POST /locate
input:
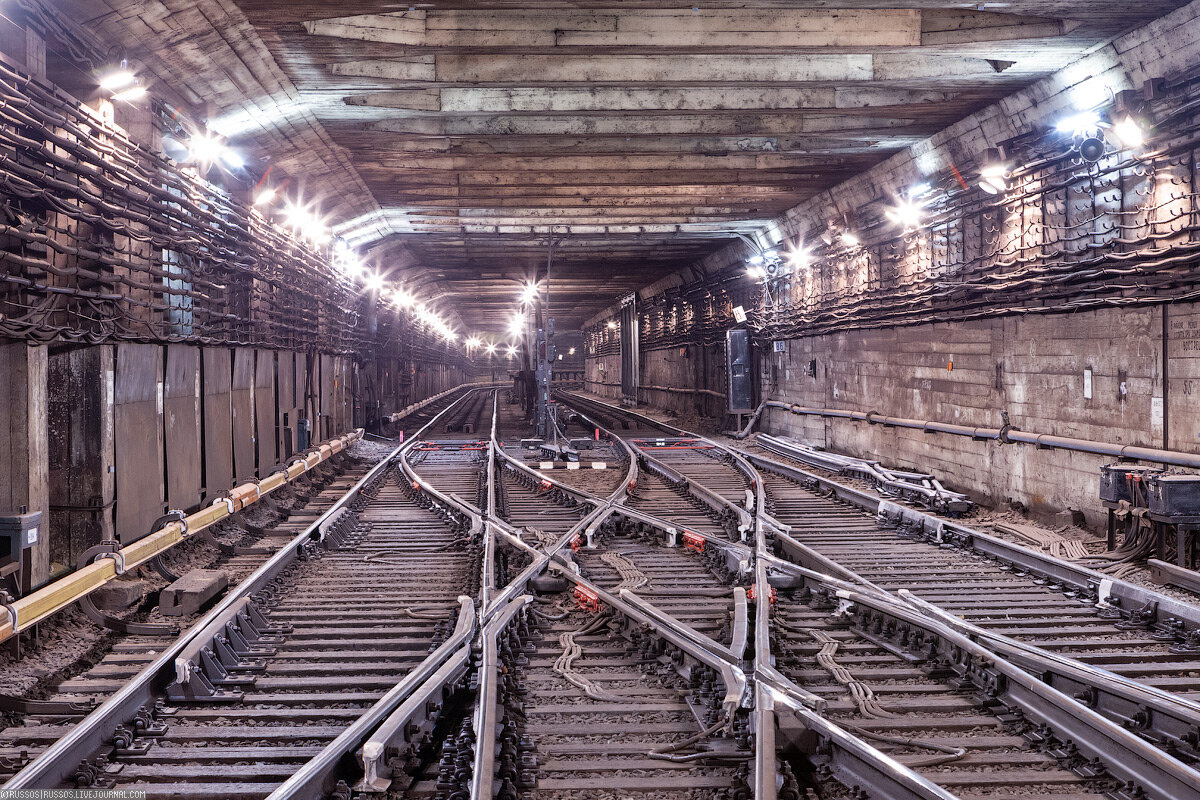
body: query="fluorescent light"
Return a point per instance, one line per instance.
(906, 214)
(206, 148)
(117, 80)
(993, 175)
(756, 272)
(1130, 132)
(233, 159)
(756, 259)
(265, 197)
(1080, 124)
(799, 257)
(131, 94)
(849, 239)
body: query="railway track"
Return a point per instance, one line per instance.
(948, 733)
(259, 685)
(1023, 613)
(691, 622)
(994, 596)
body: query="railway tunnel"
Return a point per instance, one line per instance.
(550, 400)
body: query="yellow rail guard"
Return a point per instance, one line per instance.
(56, 596)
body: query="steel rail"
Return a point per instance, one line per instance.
(316, 778)
(1106, 588)
(1129, 703)
(412, 408)
(1125, 756)
(495, 612)
(487, 713)
(700, 647)
(889, 481)
(852, 758)
(1134, 705)
(415, 717)
(1171, 717)
(713, 499)
(488, 578)
(855, 762)
(631, 472)
(56, 596)
(56, 763)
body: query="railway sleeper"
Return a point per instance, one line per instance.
(536, 760)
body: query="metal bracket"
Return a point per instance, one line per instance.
(117, 557)
(8, 606)
(108, 549)
(174, 515)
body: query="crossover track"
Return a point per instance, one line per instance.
(632, 610)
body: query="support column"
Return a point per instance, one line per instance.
(24, 443)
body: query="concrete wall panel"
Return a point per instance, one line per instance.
(139, 439)
(181, 421)
(1031, 367)
(218, 422)
(241, 401)
(265, 411)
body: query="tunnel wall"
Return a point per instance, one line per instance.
(1076, 266)
(160, 338)
(1144, 383)
(134, 430)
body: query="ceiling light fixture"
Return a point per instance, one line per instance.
(906, 214)
(1129, 132)
(993, 175)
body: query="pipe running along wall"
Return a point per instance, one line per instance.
(1005, 435)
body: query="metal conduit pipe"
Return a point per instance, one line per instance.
(1007, 435)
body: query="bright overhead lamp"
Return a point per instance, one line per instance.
(1129, 132)
(993, 175)
(374, 282)
(130, 95)
(118, 79)
(906, 214)
(491, 348)
(1085, 123)
(799, 257)
(757, 273)
(850, 239)
(205, 148)
(612, 326)
(402, 299)
(529, 293)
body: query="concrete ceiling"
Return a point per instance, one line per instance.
(455, 139)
